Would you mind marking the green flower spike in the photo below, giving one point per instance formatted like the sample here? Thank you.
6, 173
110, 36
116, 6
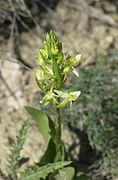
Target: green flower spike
53, 67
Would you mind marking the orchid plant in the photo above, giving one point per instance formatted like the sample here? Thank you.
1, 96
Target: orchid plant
51, 75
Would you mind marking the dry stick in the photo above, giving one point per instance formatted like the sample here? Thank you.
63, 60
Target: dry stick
7, 86
23, 24
98, 14
93, 12
23, 64
16, 42
5, 14
12, 28
12, 60
58, 19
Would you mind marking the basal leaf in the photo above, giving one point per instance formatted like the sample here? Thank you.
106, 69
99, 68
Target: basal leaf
61, 154
42, 122
52, 155
49, 154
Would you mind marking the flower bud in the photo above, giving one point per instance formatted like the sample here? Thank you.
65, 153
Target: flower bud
60, 59
54, 50
43, 54
66, 69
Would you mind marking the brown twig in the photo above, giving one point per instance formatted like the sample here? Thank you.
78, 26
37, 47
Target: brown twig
7, 86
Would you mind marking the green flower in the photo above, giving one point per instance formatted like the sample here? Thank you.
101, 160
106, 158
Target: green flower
49, 97
70, 62
68, 97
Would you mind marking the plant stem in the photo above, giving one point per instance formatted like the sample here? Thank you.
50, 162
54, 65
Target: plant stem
14, 175
58, 123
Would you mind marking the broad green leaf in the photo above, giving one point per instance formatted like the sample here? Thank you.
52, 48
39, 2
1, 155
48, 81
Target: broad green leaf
47, 128
43, 172
42, 122
61, 155
49, 154
52, 154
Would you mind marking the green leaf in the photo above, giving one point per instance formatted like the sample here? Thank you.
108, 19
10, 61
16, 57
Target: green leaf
49, 154
16, 148
42, 122
43, 172
52, 155
66, 173
47, 128
61, 154
70, 173
82, 176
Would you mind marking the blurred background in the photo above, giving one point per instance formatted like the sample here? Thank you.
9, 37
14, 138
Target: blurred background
89, 27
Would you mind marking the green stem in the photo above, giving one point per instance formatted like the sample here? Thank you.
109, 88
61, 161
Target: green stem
14, 175
58, 124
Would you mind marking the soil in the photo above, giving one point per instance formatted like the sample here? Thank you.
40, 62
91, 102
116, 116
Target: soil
89, 27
